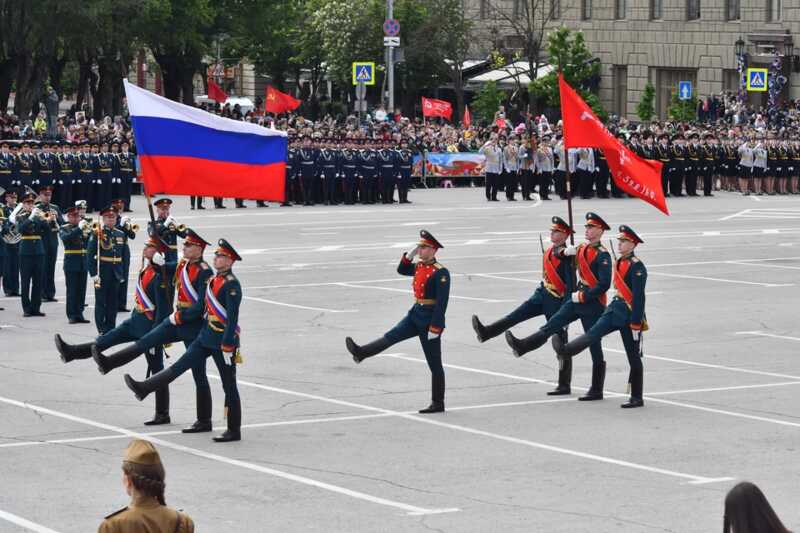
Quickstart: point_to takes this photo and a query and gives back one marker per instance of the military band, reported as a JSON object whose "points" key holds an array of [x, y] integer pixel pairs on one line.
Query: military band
{"points": [[105, 269], [33, 227], [74, 235]]}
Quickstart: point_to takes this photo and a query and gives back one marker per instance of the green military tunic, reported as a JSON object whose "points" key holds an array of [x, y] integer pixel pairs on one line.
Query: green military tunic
{"points": [[146, 515]]}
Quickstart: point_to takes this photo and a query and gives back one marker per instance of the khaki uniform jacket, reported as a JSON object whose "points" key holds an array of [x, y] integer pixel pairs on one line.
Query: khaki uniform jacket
{"points": [[146, 515]]}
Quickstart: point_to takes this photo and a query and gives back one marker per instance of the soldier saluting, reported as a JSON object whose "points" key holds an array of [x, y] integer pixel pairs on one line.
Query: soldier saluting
{"points": [[558, 281], [625, 313], [425, 319]]}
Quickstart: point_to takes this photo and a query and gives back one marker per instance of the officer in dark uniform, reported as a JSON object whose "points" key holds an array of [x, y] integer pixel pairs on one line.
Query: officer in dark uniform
{"points": [[31, 224], [27, 166], [558, 282], [126, 163], [678, 165], [425, 319], [8, 164], [663, 153], [587, 303], [166, 228], [626, 313], [11, 243], [349, 172], [368, 170], [126, 227], [405, 163], [328, 163], [105, 268], [694, 165], [50, 242], [189, 278], [709, 164], [46, 163], [219, 339], [151, 308], [143, 478], [307, 159], [88, 172], [3, 224], [290, 182], [105, 178], [65, 175], [75, 235], [387, 163], [603, 175]]}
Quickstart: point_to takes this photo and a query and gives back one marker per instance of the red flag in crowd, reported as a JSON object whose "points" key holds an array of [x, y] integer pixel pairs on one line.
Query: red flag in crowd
{"points": [[216, 93], [467, 117], [278, 102], [431, 107], [632, 174]]}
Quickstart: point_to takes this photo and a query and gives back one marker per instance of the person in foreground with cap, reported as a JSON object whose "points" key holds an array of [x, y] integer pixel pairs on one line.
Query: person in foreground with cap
{"points": [[219, 339], [190, 275], [151, 307], [105, 268], [32, 226], [143, 477], [11, 263], [425, 319], [166, 228], [587, 303], [49, 241], [625, 313], [558, 282], [75, 234]]}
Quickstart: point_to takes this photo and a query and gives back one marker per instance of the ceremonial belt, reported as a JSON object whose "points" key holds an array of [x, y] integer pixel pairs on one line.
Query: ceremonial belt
{"points": [[46, 171], [26, 171], [31, 237], [105, 170], [111, 259], [623, 291], [306, 162], [5, 172], [172, 246], [182, 305], [664, 160], [68, 252], [552, 281], [584, 265], [678, 159], [695, 158], [387, 166], [86, 171], [425, 301]]}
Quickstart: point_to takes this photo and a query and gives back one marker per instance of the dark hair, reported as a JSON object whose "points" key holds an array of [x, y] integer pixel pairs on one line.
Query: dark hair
{"points": [[147, 479], [748, 511]]}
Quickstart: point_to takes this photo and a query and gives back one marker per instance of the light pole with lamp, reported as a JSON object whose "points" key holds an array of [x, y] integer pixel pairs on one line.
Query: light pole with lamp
{"points": [[741, 67]]}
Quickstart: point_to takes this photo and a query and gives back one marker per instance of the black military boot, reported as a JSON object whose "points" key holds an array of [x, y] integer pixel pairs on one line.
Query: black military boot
{"points": [[70, 352], [522, 346], [162, 408], [437, 395], [203, 422], [142, 388], [368, 350], [434, 407], [107, 363], [564, 377], [573, 347], [598, 378], [637, 377], [233, 433], [489, 331]]}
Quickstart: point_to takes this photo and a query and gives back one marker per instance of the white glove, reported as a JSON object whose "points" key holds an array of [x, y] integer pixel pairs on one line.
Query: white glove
{"points": [[95, 280], [576, 298], [36, 212], [170, 221], [158, 259], [432, 335], [412, 253], [124, 221], [570, 250], [83, 224], [172, 319]]}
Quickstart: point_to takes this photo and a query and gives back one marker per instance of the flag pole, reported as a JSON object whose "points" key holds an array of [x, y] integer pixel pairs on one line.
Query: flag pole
{"points": [[567, 177]]}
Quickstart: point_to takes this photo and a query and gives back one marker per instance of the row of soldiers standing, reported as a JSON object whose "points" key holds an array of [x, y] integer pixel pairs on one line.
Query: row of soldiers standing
{"points": [[94, 172], [334, 172]]}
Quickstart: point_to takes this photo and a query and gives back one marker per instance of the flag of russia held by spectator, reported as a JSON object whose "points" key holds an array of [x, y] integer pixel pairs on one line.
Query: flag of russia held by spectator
{"points": [[185, 150]]}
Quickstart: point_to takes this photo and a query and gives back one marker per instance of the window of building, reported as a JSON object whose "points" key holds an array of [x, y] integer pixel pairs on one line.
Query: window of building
{"points": [[586, 9], [774, 8], [517, 8], [619, 9], [692, 9], [730, 80], [656, 9], [733, 10], [484, 9], [667, 83], [620, 75], [555, 9]]}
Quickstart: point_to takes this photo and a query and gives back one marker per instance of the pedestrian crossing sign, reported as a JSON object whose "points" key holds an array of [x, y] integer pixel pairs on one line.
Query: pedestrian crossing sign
{"points": [[364, 72], [757, 79]]}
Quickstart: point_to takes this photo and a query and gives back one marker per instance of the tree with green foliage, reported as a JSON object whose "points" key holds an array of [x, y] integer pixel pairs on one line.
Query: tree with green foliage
{"points": [[452, 33], [682, 110], [485, 104], [645, 109], [568, 53]]}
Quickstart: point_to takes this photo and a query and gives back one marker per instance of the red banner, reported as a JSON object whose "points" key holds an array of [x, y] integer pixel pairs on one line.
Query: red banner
{"points": [[636, 176], [431, 107], [467, 117], [216, 93], [278, 102]]}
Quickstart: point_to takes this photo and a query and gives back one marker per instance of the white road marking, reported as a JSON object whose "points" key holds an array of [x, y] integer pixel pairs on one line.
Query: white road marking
{"points": [[27, 524], [755, 198], [734, 215], [410, 509], [721, 280], [295, 306], [748, 263], [392, 289], [492, 276], [763, 334]]}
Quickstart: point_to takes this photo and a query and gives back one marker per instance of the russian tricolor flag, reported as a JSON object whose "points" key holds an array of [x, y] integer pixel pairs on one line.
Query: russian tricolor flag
{"points": [[188, 151]]}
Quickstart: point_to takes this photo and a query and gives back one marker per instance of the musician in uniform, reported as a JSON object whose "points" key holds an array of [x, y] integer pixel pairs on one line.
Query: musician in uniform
{"points": [[218, 339], [50, 241], [105, 269], [31, 224], [558, 282], [11, 239], [143, 479], [126, 227], [587, 303], [425, 319], [625, 313], [166, 228], [189, 277], [405, 163], [75, 236]]}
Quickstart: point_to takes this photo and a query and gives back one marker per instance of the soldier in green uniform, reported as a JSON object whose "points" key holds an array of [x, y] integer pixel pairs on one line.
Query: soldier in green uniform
{"points": [[218, 339], [11, 242], [105, 269], [125, 226], [75, 234], [50, 241], [30, 223], [143, 479]]}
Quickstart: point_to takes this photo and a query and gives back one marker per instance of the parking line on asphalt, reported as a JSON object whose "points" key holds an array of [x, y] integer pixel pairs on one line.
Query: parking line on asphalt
{"points": [[22, 522], [771, 335]]}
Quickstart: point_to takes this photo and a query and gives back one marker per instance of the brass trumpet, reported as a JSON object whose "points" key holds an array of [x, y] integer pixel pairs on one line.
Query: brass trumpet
{"points": [[180, 227], [95, 227], [132, 227]]}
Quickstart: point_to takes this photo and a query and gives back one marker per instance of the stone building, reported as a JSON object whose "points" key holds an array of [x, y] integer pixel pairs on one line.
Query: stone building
{"points": [[662, 41]]}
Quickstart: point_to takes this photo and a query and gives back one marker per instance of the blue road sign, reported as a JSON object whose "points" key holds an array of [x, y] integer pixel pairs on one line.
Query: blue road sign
{"points": [[757, 79], [684, 90]]}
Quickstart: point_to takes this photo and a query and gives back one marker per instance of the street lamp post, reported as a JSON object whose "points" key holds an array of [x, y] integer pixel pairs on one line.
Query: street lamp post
{"points": [[741, 66]]}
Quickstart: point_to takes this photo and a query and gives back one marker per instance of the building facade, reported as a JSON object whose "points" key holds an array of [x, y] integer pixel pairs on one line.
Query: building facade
{"points": [[662, 42]]}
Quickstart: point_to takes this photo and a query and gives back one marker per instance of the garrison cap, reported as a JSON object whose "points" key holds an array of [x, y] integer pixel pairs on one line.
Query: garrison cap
{"points": [[225, 248], [108, 211], [425, 238], [141, 452], [593, 219], [167, 201], [626, 233], [71, 210], [29, 196], [558, 224]]}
